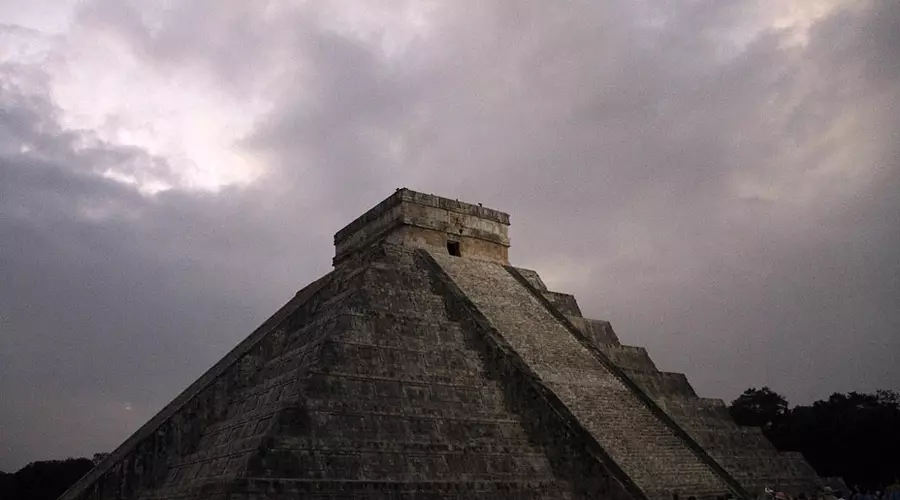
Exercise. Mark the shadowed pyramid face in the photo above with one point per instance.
(413, 219)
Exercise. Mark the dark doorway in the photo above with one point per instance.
(453, 248)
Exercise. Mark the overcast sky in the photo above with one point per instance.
(720, 179)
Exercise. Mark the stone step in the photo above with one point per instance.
(400, 300)
(212, 461)
(700, 491)
(421, 407)
(379, 361)
(701, 422)
(426, 309)
(598, 331)
(406, 352)
(468, 489)
(629, 357)
(533, 277)
(403, 377)
(390, 276)
(235, 425)
(725, 440)
(392, 392)
(367, 387)
(325, 464)
(662, 384)
(343, 444)
(712, 405)
(392, 330)
(455, 428)
(565, 302)
(279, 368)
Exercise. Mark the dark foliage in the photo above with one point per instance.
(5, 484)
(759, 408)
(99, 457)
(43, 480)
(855, 436)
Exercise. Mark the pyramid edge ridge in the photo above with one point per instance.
(195, 388)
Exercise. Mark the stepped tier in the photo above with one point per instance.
(742, 451)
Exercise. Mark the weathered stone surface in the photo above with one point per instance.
(422, 220)
(598, 331)
(565, 302)
(637, 440)
(367, 390)
(408, 373)
(628, 357)
(533, 278)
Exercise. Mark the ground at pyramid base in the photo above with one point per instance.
(424, 366)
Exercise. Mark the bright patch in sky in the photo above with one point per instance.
(180, 117)
(799, 16)
(179, 114)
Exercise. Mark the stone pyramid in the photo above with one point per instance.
(425, 366)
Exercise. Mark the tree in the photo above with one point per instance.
(854, 435)
(99, 457)
(6, 483)
(43, 480)
(888, 398)
(759, 408)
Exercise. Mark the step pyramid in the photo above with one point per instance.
(425, 366)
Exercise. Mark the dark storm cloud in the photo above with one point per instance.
(729, 207)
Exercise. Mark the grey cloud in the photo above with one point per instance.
(113, 299)
(732, 210)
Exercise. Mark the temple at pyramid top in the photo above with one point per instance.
(425, 366)
(410, 218)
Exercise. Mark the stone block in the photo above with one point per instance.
(565, 302)
(629, 357)
(662, 384)
(598, 331)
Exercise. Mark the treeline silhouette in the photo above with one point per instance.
(43, 480)
(855, 436)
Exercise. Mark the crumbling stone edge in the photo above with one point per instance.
(548, 413)
(148, 429)
(734, 486)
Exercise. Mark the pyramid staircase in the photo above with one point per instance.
(744, 452)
